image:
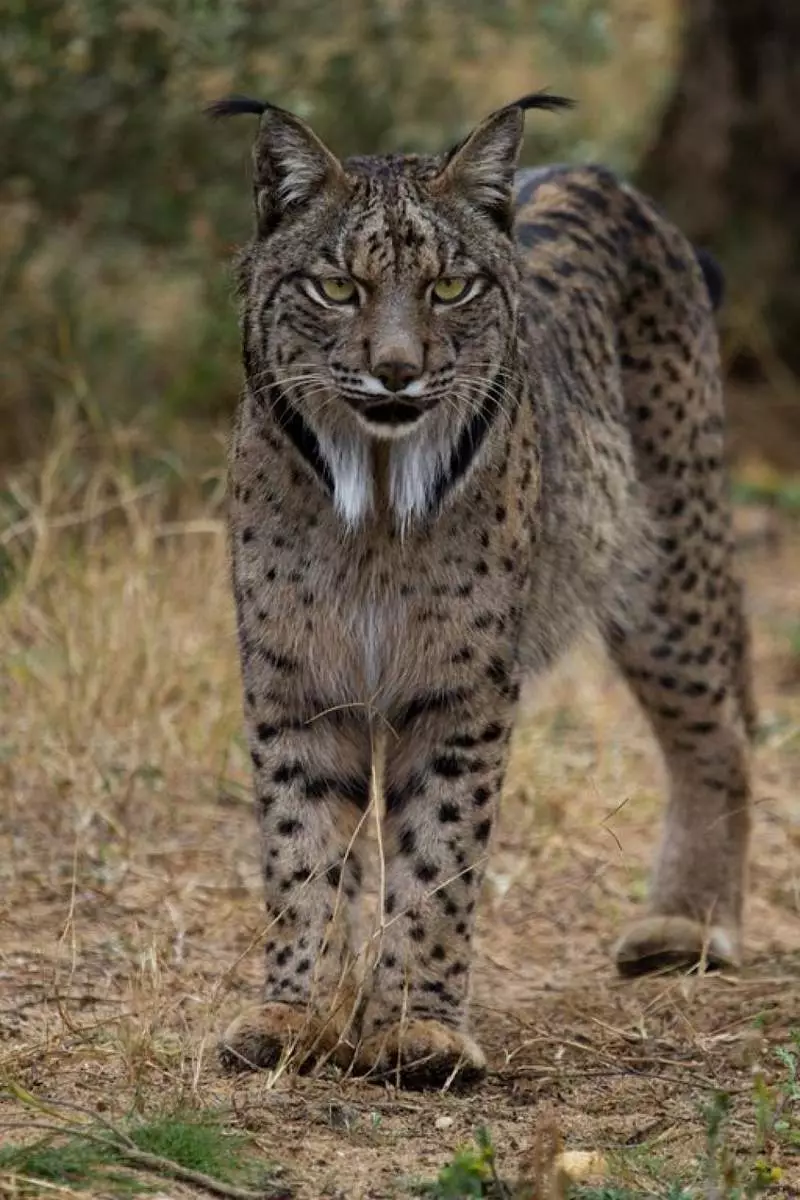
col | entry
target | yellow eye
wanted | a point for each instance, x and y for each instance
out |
(337, 289)
(448, 289)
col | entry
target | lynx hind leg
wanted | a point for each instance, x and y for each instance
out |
(683, 663)
(687, 660)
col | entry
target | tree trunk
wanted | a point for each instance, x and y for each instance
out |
(725, 164)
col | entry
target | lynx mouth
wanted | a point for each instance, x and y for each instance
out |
(390, 416)
(392, 412)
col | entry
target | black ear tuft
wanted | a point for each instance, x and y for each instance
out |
(713, 276)
(543, 100)
(290, 163)
(231, 106)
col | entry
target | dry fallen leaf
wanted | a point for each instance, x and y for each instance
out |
(578, 1165)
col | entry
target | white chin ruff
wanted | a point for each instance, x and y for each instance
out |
(417, 462)
(350, 464)
(416, 465)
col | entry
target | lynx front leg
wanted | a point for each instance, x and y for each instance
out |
(312, 789)
(443, 777)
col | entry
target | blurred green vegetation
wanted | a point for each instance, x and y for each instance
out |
(120, 203)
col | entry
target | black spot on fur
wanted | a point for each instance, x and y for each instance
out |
(450, 766)
(408, 842)
(398, 795)
(482, 831)
(425, 872)
(286, 772)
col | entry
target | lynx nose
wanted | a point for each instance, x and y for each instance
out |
(395, 374)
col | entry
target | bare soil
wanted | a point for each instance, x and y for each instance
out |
(130, 912)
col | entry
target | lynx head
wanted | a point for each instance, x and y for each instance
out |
(380, 301)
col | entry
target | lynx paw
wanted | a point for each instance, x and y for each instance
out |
(259, 1036)
(669, 943)
(422, 1054)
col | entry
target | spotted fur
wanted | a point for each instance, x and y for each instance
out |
(429, 501)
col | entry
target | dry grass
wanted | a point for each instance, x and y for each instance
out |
(130, 906)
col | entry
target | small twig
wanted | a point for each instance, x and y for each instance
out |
(121, 1144)
(503, 1192)
(591, 1072)
(165, 1166)
(199, 525)
(45, 1185)
(73, 520)
(27, 1052)
(51, 997)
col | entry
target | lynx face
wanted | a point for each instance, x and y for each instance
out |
(382, 301)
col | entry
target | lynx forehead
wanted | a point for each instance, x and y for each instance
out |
(482, 411)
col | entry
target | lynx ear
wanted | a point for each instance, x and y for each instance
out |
(290, 164)
(481, 168)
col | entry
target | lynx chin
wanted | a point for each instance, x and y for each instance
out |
(482, 411)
